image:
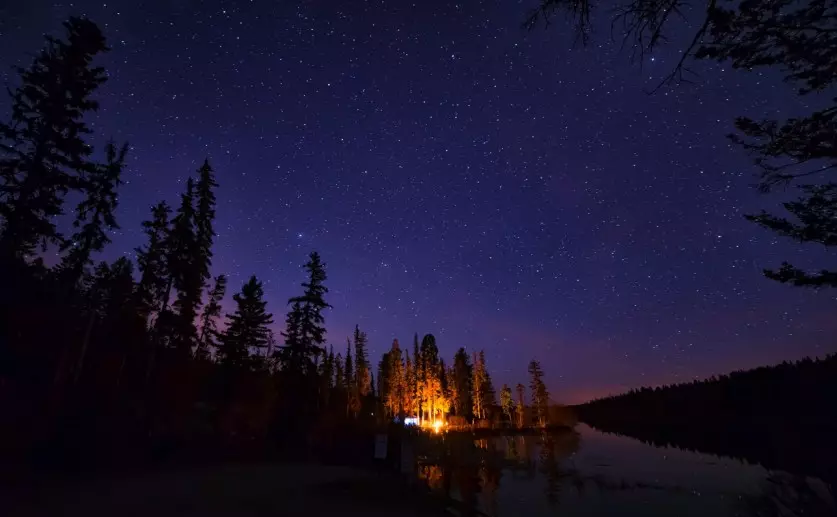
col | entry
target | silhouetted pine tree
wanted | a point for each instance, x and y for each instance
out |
(352, 402)
(152, 261)
(247, 328)
(94, 214)
(478, 385)
(208, 332)
(349, 369)
(384, 380)
(462, 382)
(816, 222)
(409, 385)
(43, 155)
(444, 385)
(488, 391)
(506, 402)
(540, 395)
(306, 321)
(185, 270)
(392, 381)
(362, 371)
(290, 359)
(521, 404)
(339, 375)
(429, 382)
(417, 376)
(204, 218)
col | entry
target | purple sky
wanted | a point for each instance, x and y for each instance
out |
(500, 189)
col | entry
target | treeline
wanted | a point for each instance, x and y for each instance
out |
(120, 353)
(779, 416)
(121, 358)
(422, 386)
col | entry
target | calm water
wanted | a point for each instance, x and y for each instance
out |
(588, 473)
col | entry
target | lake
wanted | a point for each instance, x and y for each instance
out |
(585, 472)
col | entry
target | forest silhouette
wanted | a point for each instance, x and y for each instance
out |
(777, 416)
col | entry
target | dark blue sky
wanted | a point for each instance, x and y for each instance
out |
(500, 189)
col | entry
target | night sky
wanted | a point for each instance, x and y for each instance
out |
(498, 188)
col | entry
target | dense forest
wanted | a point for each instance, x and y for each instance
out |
(779, 416)
(104, 360)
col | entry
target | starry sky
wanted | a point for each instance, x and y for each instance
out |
(501, 189)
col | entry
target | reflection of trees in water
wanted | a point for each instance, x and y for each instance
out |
(786, 495)
(432, 475)
(777, 416)
(550, 468)
(469, 473)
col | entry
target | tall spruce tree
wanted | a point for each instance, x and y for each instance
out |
(184, 268)
(462, 381)
(352, 399)
(362, 371)
(397, 383)
(207, 339)
(349, 369)
(152, 261)
(430, 382)
(43, 154)
(417, 376)
(488, 392)
(288, 355)
(409, 386)
(204, 218)
(384, 382)
(478, 386)
(94, 214)
(339, 375)
(521, 404)
(540, 395)
(506, 402)
(305, 332)
(248, 327)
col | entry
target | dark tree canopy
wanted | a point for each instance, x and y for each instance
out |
(305, 331)
(95, 213)
(208, 338)
(184, 268)
(43, 154)
(204, 218)
(463, 379)
(815, 216)
(248, 331)
(152, 260)
(799, 39)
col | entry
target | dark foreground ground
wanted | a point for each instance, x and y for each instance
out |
(232, 490)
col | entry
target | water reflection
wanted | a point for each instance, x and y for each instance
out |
(586, 472)
(785, 494)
